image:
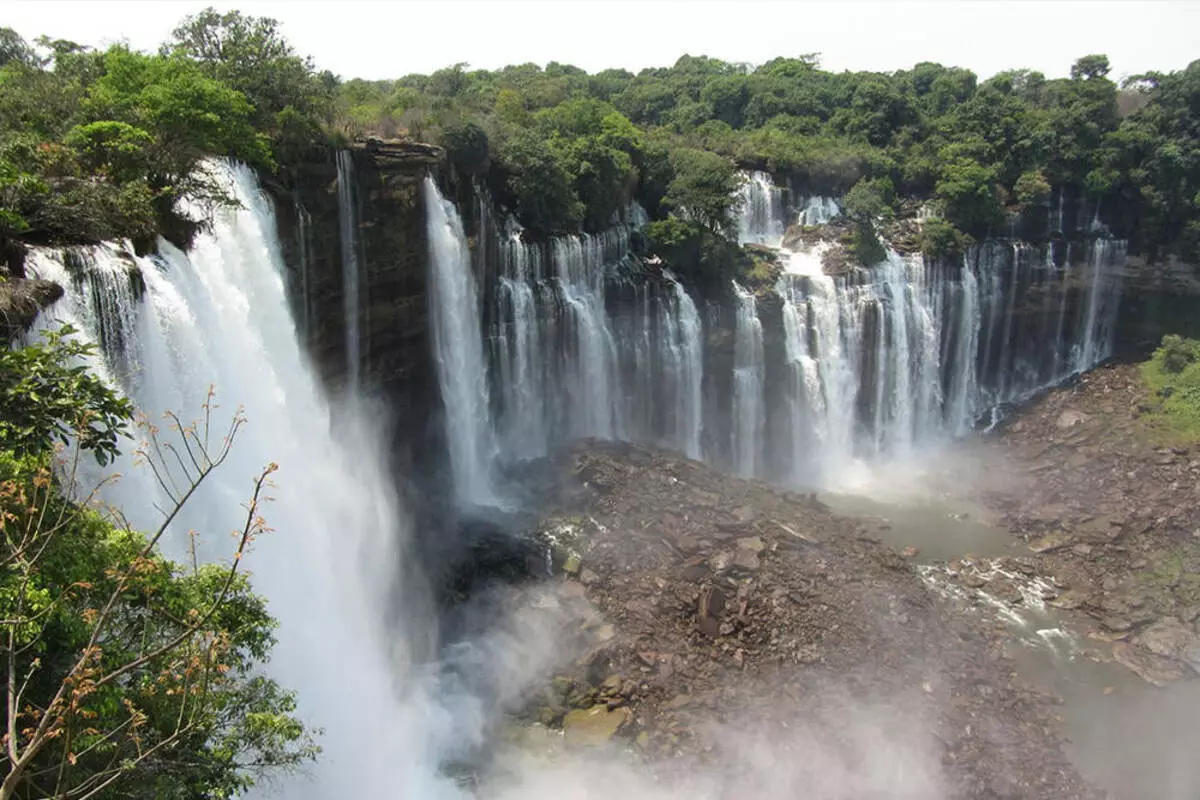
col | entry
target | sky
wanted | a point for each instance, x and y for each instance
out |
(377, 40)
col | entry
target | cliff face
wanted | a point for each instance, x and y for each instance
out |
(388, 227)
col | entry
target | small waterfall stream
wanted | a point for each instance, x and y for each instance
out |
(748, 378)
(761, 210)
(348, 217)
(458, 348)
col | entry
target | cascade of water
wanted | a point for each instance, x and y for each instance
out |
(458, 347)
(818, 210)
(760, 216)
(521, 360)
(748, 377)
(963, 378)
(351, 268)
(1095, 337)
(304, 245)
(688, 343)
(591, 373)
(218, 315)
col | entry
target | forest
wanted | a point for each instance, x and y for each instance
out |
(102, 144)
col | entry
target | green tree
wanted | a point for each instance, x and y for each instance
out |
(703, 189)
(250, 55)
(128, 675)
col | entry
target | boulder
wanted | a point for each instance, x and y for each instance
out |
(595, 726)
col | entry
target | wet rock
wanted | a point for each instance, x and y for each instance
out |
(595, 726)
(744, 514)
(711, 602)
(752, 543)
(1070, 418)
(1050, 543)
(587, 577)
(746, 560)
(1171, 638)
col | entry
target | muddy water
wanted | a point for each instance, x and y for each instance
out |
(1137, 741)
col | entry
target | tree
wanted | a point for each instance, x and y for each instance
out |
(48, 395)
(124, 672)
(864, 204)
(250, 55)
(703, 189)
(14, 49)
(1090, 68)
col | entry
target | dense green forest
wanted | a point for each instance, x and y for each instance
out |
(100, 144)
(566, 148)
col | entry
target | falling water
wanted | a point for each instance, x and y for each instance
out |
(218, 315)
(304, 290)
(351, 268)
(1104, 296)
(882, 360)
(687, 344)
(590, 376)
(761, 210)
(748, 379)
(818, 210)
(458, 347)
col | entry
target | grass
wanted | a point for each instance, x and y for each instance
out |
(1173, 376)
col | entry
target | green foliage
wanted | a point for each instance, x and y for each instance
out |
(864, 205)
(133, 673)
(702, 189)
(47, 395)
(467, 147)
(693, 251)
(941, 241)
(250, 55)
(541, 185)
(967, 191)
(1176, 354)
(1032, 188)
(1173, 375)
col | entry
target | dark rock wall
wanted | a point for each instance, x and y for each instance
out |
(396, 360)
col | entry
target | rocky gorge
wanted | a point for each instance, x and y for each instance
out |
(700, 621)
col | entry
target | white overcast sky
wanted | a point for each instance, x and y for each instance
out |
(389, 39)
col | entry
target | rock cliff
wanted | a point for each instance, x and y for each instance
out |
(395, 360)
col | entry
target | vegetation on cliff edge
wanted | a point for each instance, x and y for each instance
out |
(129, 675)
(1173, 376)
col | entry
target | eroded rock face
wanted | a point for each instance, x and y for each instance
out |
(20, 301)
(396, 361)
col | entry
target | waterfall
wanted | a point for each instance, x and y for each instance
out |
(687, 346)
(304, 247)
(351, 268)
(818, 210)
(1104, 298)
(219, 315)
(591, 368)
(880, 361)
(748, 379)
(458, 348)
(761, 210)
(518, 333)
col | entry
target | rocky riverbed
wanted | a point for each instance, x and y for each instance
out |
(1113, 513)
(735, 638)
